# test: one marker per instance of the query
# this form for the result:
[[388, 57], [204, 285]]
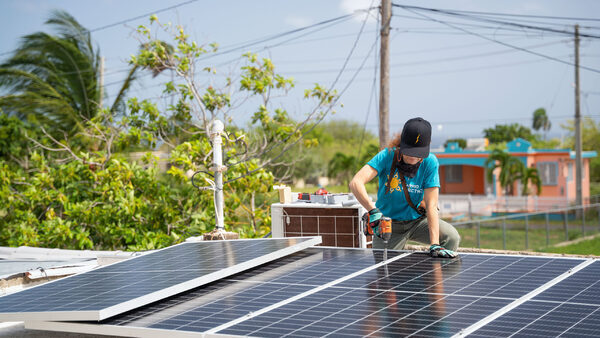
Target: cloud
[[351, 6], [297, 21]]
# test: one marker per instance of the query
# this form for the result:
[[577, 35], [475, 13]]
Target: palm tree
[[530, 175], [541, 121], [54, 79], [511, 169]]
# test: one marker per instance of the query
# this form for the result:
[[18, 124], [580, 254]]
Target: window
[[548, 172], [454, 174], [570, 172]]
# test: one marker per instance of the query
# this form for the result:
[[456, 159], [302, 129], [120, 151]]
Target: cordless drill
[[382, 230]]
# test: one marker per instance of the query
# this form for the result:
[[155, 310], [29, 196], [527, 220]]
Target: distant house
[[462, 171]]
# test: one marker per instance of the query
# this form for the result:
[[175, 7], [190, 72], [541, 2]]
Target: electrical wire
[[408, 52], [523, 15], [548, 23], [146, 15], [322, 115], [130, 19], [245, 45], [439, 60], [373, 94], [500, 42], [324, 23], [465, 24], [471, 17]]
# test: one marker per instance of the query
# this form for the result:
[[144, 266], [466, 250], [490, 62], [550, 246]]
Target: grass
[[492, 238], [594, 188], [587, 247], [491, 235]]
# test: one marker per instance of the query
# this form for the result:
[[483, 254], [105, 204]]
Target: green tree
[[332, 137], [541, 121], [506, 133], [343, 166], [95, 198], [590, 140], [461, 142], [511, 169], [530, 176], [14, 144], [54, 79]]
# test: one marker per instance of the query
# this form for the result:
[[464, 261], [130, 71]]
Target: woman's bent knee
[[449, 237]]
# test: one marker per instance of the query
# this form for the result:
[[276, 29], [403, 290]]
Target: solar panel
[[423, 296], [126, 285], [342, 292], [571, 308]]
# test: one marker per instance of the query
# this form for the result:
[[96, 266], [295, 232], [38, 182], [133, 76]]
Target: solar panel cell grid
[[420, 295], [414, 295], [248, 291], [116, 284], [569, 308]]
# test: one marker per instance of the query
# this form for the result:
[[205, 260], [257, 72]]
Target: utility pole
[[578, 164], [384, 76], [101, 81]]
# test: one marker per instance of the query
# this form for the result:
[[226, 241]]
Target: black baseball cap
[[416, 138]]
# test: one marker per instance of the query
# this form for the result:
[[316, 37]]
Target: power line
[[460, 70], [498, 41], [335, 100], [326, 24], [471, 17], [439, 60], [419, 51], [245, 45], [466, 24], [373, 94], [523, 15], [146, 15]]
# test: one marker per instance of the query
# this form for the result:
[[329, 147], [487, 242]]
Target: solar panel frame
[[289, 316], [109, 311], [555, 311], [116, 329]]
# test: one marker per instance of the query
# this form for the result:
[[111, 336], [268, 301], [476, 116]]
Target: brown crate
[[337, 227]]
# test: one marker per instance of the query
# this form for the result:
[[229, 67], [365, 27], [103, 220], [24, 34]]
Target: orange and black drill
[[381, 228]]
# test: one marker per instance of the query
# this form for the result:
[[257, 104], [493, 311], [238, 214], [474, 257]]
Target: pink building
[[463, 171]]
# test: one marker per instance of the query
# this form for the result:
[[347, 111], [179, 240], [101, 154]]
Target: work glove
[[373, 218], [435, 250]]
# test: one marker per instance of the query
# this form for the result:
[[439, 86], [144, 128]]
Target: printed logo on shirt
[[397, 186]]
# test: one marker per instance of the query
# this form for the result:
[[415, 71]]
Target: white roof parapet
[[30, 253]]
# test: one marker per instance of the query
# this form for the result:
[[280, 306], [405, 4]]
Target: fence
[[586, 218], [469, 206]]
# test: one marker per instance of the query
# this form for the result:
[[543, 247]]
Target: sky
[[440, 69]]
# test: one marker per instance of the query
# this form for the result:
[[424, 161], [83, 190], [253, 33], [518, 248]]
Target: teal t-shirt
[[393, 204]]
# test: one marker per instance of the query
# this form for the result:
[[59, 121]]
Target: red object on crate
[[321, 191], [304, 196]]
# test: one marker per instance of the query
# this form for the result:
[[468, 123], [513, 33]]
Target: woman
[[408, 192]]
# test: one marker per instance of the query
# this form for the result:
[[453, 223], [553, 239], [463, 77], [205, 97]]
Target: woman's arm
[[357, 186], [433, 218]]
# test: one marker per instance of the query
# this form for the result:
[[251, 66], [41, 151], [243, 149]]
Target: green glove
[[435, 250], [374, 218]]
